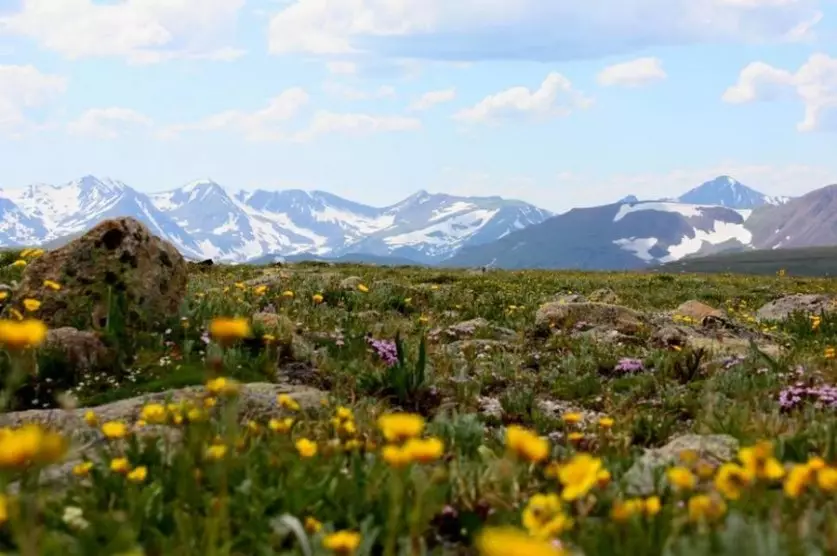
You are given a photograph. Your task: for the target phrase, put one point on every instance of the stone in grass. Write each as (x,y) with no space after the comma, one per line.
(641,479)
(784,307)
(117,260)
(567,315)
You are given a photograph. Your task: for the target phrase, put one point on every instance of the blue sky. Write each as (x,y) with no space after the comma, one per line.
(556,102)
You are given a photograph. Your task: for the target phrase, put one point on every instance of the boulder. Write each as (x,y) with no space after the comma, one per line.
(697,312)
(643,479)
(118,265)
(784,307)
(604,295)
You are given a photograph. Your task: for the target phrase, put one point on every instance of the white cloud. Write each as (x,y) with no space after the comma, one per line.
(22,88)
(267,124)
(108,123)
(273,123)
(814,83)
(342,68)
(566,190)
(635,73)
(555,97)
(142,31)
(349,93)
(329,123)
(528,29)
(432,98)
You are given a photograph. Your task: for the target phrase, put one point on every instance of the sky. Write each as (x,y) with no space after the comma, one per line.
(556,102)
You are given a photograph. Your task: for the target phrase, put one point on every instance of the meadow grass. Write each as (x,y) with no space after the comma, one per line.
(426,443)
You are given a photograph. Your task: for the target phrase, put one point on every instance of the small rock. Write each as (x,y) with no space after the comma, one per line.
(670,336)
(640,479)
(470,328)
(490,407)
(478,346)
(784,307)
(567,315)
(698,312)
(273,322)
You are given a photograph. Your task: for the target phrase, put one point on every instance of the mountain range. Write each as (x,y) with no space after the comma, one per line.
(636,235)
(205,220)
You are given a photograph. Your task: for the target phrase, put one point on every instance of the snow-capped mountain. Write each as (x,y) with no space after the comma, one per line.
(204,220)
(618,236)
(728,192)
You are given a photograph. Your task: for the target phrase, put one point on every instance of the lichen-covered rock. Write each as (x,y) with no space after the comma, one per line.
(643,476)
(698,312)
(567,315)
(117,266)
(604,295)
(470,328)
(784,307)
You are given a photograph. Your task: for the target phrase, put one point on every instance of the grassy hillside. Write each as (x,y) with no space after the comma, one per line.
(806,261)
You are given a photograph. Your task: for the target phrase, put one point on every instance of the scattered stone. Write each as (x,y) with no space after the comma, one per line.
(460,348)
(567,315)
(604,295)
(490,407)
(470,328)
(784,307)
(570,298)
(698,312)
(273,322)
(670,336)
(641,479)
(117,262)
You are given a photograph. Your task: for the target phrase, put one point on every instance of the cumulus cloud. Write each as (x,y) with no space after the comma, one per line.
(528,29)
(636,73)
(432,98)
(555,97)
(142,31)
(108,123)
(22,88)
(814,83)
(350,93)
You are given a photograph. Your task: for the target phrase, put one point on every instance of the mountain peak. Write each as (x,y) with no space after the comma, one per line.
(726,191)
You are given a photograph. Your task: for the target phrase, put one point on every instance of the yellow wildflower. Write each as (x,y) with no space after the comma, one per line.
(4,508)
(681,478)
(424,450)
(506,541)
(228,330)
(623,510)
(259,290)
(31,304)
(51,284)
(317,298)
(362,288)
(703,507)
(797,479)
(397,427)
(579,475)
(396,456)
(82,469)
(18,335)
(19,263)
(526,445)
(287,402)
(280,425)
(759,461)
(222,386)
(312,525)
(606,422)
(90,418)
(153,413)
(343,543)
(138,474)
(572,418)
(731,480)
(114,430)
(827,479)
(544,517)
(120,465)
(306,448)
(216,452)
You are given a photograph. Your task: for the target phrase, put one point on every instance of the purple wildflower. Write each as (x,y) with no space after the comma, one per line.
(732,361)
(821,396)
(385,349)
(629,365)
